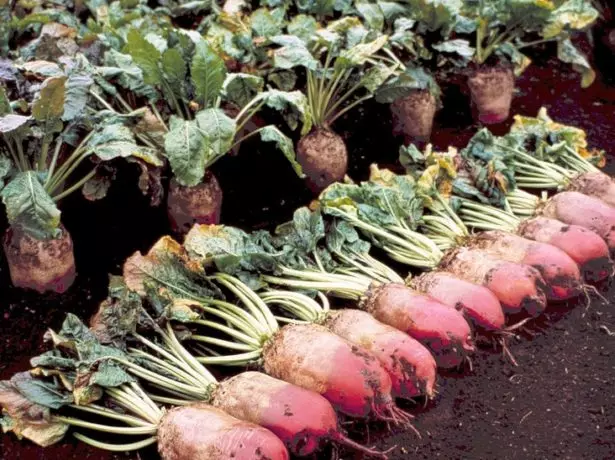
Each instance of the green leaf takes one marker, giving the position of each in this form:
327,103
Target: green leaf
371,13
146,56
293,105
77,88
302,26
49,106
285,80
192,145
285,144
218,131
29,207
357,55
208,73
412,79
174,69
5,103
375,77
263,23
229,249
39,392
6,168
123,69
566,52
457,46
519,60
117,141
293,53
241,88
185,149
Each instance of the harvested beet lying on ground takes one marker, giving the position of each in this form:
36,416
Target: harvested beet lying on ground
200,432
519,288
585,247
410,365
308,356
574,208
302,419
335,261
103,390
360,205
560,272
477,302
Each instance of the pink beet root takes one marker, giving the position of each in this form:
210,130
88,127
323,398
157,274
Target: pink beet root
519,287
560,272
584,246
410,365
477,302
302,419
202,432
348,376
440,328
574,208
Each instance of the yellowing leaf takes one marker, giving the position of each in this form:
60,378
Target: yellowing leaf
50,103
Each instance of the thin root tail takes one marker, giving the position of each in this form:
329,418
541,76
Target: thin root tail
342,440
398,417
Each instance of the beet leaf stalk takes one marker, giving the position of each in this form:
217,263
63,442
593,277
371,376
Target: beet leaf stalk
388,216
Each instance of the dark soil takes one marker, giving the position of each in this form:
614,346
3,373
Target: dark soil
559,402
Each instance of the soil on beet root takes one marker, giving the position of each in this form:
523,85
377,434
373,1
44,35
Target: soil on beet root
559,402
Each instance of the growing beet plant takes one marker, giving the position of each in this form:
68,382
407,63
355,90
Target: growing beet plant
500,30
193,82
50,132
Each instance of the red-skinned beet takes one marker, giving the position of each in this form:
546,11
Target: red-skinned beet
478,303
596,184
348,376
560,272
575,208
202,432
200,204
492,90
519,288
443,330
584,246
41,265
410,365
302,419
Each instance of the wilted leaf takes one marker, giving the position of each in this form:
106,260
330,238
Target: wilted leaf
42,68
49,106
293,53
77,88
272,134
567,52
11,122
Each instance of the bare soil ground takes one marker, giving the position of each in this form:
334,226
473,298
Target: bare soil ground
559,403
